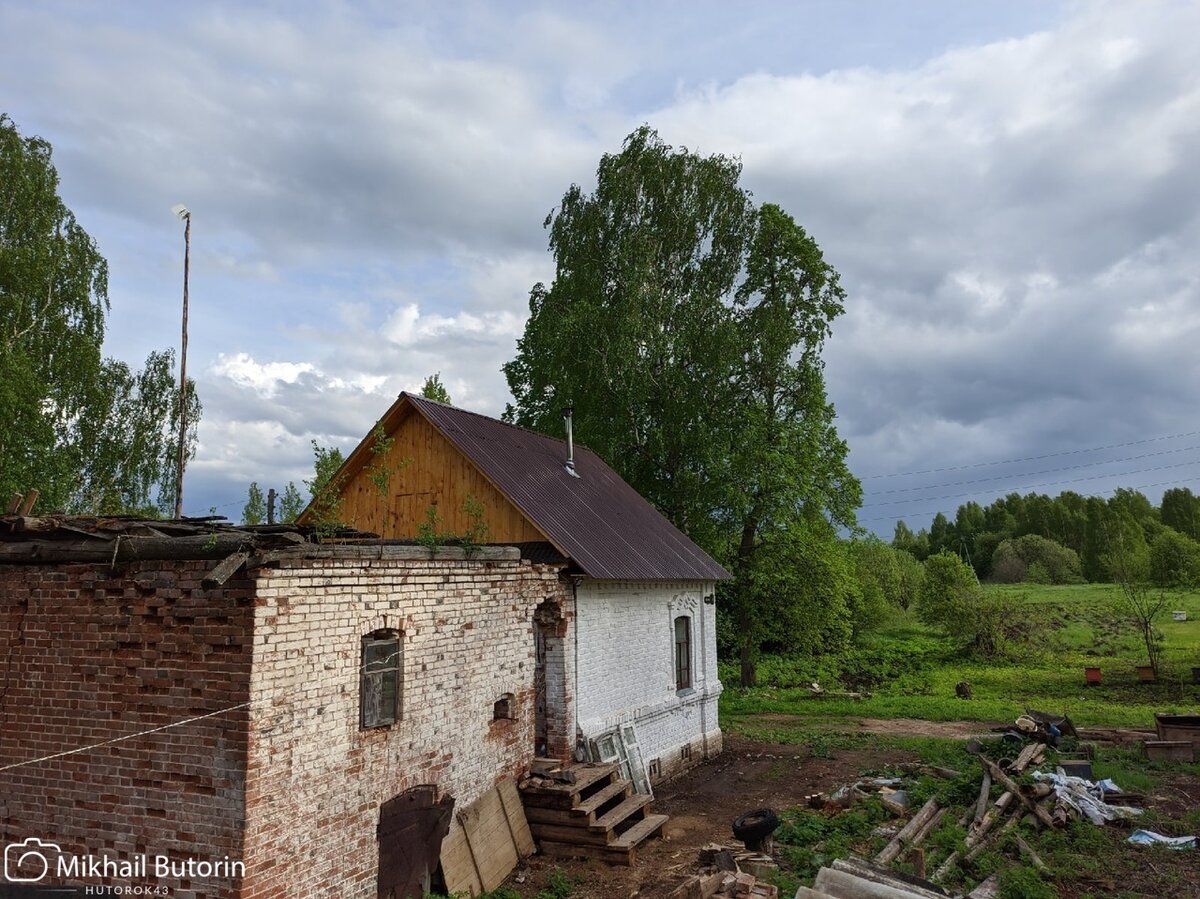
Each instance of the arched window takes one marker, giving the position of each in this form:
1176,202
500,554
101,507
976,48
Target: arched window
683,652
382,679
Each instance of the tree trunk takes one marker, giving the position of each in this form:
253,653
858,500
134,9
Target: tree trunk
749,662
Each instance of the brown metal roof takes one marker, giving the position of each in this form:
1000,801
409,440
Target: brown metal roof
605,526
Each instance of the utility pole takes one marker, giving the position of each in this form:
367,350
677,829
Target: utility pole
183,213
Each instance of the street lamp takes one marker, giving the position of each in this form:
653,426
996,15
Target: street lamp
182,211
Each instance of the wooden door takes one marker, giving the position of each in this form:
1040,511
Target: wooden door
411,829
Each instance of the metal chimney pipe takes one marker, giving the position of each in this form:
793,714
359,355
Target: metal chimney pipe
568,415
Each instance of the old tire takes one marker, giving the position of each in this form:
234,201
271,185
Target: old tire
754,827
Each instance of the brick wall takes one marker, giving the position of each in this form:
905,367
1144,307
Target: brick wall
316,780
626,668
89,654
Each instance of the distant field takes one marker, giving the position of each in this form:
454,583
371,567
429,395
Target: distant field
911,672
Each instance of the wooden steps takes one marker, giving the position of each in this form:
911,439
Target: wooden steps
597,816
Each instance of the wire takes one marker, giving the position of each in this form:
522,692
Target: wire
1092,449
1094,477
375,663
1097,493
1025,474
153,730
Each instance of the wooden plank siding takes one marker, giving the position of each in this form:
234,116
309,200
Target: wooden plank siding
428,470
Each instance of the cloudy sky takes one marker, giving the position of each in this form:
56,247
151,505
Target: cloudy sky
1005,187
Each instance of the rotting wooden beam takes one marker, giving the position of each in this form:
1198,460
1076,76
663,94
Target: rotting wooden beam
14,503
892,849
30,499
985,793
1011,786
224,570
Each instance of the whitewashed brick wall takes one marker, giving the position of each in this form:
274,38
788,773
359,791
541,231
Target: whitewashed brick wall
315,780
626,667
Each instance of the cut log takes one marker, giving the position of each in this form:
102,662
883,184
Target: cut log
1010,785
14,503
1028,852
985,793
929,827
993,838
916,856
30,499
993,815
892,849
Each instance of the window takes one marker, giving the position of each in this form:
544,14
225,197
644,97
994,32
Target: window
382,658
683,652
502,708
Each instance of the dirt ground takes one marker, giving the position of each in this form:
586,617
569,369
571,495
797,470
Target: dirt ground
750,775
899,727
702,805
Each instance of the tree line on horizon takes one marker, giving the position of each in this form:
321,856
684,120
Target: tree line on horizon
1068,538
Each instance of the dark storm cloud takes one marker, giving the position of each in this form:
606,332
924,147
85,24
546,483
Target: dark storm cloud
1015,219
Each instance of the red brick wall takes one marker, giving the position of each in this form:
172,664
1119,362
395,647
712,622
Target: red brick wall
89,654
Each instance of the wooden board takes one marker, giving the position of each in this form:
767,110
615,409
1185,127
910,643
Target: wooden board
458,868
490,838
517,823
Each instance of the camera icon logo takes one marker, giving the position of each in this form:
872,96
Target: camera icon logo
29,861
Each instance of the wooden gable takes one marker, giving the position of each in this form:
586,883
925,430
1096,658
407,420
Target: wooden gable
426,470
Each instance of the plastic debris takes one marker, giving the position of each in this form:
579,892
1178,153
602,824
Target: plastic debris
1150,838
1086,798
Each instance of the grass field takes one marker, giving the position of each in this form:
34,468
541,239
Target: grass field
911,672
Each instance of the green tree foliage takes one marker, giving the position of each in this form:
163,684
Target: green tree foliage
881,572
291,503
325,488
1174,560
1128,561
91,434
685,327
1035,559
905,540
1075,522
435,390
912,578
950,598
255,510
949,592
1180,510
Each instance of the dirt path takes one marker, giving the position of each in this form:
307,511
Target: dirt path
900,727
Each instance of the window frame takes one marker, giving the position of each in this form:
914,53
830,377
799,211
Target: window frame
371,672
684,669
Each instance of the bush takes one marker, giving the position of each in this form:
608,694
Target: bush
1037,560
991,624
1174,560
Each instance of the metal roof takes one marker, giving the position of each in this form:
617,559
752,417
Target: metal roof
605,526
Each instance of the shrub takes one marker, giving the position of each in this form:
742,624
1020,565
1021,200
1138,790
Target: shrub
1035,559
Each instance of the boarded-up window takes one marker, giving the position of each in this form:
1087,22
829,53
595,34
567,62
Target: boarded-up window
683,652
382,658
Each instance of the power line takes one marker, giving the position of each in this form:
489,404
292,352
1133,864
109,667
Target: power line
1098,493
1027,474
1094,477
1092,449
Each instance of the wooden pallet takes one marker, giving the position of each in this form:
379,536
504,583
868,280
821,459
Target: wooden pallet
598,816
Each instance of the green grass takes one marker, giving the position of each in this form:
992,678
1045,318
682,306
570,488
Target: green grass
911,671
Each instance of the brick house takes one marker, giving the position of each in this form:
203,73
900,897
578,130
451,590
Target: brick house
288,705
209,695
629,667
